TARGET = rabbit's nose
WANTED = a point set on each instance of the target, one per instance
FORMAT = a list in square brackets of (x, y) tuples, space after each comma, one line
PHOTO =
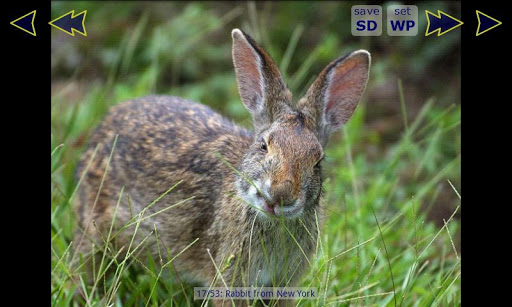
[(282, 193)]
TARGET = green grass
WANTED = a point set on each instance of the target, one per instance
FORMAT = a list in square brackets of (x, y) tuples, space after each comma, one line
[(378, 247)]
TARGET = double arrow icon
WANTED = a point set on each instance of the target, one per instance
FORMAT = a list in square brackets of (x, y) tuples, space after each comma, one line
[(69, 23), (442, 23)]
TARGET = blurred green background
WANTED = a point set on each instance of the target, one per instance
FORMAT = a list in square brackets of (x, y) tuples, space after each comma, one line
[(396, 155)]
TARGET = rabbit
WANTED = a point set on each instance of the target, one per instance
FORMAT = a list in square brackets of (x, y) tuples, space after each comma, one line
[(234, 207)]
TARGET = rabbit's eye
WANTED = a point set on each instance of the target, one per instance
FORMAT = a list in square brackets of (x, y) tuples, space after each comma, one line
[(263, 146)]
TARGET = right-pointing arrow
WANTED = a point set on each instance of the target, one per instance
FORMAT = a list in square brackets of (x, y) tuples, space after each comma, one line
[(485, 23), (441, 23)]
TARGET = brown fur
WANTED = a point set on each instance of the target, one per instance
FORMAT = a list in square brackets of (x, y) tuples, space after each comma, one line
[(164, 140)]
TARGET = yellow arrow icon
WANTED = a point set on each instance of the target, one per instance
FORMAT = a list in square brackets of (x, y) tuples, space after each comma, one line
[(22, 23), (441, 23), (488, 22), (70, 23)]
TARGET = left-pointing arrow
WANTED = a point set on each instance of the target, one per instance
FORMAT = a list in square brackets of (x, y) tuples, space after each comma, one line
[(71, 23), (26, 23)]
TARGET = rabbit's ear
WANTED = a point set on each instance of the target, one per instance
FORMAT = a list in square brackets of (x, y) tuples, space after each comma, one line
[(333, 96), (260, 84)]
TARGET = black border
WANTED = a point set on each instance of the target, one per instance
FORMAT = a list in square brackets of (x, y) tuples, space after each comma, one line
[(484, 158), (25, 110)]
